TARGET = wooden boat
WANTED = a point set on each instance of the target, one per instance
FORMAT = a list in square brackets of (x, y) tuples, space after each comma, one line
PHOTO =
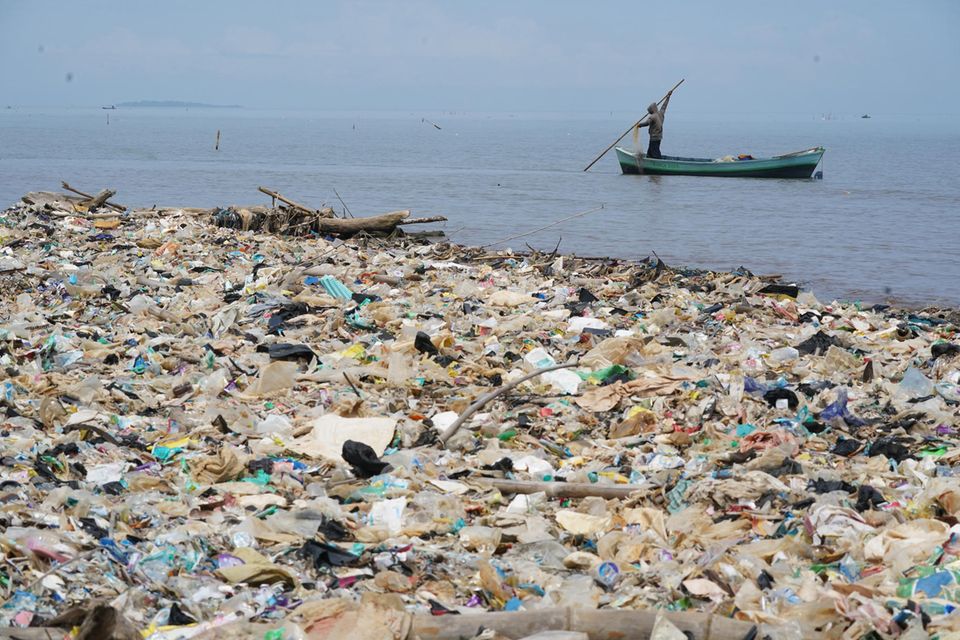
[(799, 164)]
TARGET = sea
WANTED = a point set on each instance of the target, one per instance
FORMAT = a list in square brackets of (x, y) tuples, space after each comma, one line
[(881, 226)]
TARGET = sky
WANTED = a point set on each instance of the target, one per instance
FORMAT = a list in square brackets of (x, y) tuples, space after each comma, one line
[(497, 55)]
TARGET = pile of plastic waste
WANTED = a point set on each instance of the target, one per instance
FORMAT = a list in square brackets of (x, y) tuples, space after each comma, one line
[(210, 431)]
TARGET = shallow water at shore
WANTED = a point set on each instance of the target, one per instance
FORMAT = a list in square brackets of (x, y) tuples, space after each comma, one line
[(880, 226)]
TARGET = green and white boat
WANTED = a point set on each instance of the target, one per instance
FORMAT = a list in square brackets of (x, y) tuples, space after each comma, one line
[(799, 164)]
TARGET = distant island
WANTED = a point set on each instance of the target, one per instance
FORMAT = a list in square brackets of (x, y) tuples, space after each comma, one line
[(176, 103)]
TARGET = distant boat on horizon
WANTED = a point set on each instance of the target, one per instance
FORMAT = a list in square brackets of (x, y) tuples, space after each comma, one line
[(865, 116), (112, 106)]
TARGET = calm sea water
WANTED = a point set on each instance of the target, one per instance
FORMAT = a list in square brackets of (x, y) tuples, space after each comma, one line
[(881, 225)]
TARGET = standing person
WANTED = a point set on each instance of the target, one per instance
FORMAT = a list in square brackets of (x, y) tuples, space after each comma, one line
[(655, 122)]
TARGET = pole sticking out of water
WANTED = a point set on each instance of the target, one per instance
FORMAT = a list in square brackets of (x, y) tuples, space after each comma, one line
[(216, 147)]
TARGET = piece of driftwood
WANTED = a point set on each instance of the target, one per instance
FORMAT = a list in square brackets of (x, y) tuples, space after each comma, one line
[(61, 205), (561, 489), (598, 624), (423, 220), (92, 203), (112, 205), (291, 221), (326, 212), (350, 226)]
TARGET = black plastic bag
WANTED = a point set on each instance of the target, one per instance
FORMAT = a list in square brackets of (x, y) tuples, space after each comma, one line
[(846, 447), (890, 448), (324, 554), (423, 344), (781, 394), (821, 485), (818, 344), (287, 351), (868, 498), (178, 617), (363, 459)]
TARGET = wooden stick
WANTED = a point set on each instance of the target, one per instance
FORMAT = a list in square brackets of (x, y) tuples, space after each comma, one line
[(517, 624), (487, 397), (598, 624), (561, 489), (631, 128), (552, 224), (608, 624), (67, 187), (423, 220), (295, 205)]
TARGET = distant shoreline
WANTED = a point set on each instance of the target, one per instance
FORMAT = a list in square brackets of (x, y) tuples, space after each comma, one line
[(175, 103)]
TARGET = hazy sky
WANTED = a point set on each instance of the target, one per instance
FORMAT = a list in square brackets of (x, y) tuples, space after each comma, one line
[(737, 56)]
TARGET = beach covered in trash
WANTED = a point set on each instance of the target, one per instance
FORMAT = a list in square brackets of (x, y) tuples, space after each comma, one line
[(211, 430)]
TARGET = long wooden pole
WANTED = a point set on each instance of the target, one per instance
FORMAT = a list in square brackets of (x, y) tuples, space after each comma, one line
[(487, 397), (587, 168), (561, 489), (295, 205), (597, 624)]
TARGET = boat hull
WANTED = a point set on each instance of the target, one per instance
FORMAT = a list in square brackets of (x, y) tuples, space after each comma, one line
[(792, 165)]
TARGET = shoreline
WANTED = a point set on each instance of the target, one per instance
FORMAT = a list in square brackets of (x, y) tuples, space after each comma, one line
[(314, 420), (438, 236), (892, 303), (868, 299)]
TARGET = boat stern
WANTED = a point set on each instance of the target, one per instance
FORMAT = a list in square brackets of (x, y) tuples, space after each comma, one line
[(631, 163)]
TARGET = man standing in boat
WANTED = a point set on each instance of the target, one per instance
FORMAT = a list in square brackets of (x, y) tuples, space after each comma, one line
[(655, 122)]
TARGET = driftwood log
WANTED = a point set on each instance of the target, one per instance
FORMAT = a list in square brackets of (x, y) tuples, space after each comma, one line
[(92, 203), (598, 624), (561, 489), (350, 226), (297, 222), (423, 220), (114, 206), (62, 205)]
